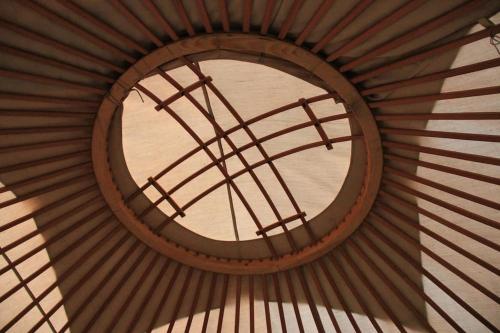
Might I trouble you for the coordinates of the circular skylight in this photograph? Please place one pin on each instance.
(305, 170)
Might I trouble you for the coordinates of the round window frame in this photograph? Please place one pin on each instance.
(244, 43)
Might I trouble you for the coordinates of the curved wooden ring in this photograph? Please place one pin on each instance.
(240, 43)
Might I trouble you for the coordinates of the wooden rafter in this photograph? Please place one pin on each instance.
(383, 247)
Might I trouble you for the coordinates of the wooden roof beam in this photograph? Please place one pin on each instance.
(442, 152)
(404, 276)
(130, 17)
(162, 21)
(266, 20)
(443, 168)
(340, 26)
(440, 134)
(61, 279)
(314, 21)
(203, 14)
(51, 81)
(387, 21)
(224, 15)
(80, 32)
(423, 29)
(290, 18)
(55, 63)
(70, 5)
(69, 50)
(438, 202)
(181, 11)
(407, 60)
(436, 97)
(247, 15)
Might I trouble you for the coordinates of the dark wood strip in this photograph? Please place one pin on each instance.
(279, 299)
(38, 59)
(386, 196)
(237, 306)
(290, 18)
(102, 26)
(164, 297)
(387, 21)
(160, 19)
(147, 297)
(251, 303)
(247, 15)
(131, 294)
(316, 123)
(427, 27)
(411, 241)
(80, 32)
(427, 54)
(116, 289)
(224, 15)
(203, 14)
(372, 289)
(324, 299)
(434, 77)
(340, 26)
(195, 300)
(439, 186)
(293, 297)
(310, 301)
(69, 50)
(180, 299)
(130, 17)
(265, 297)
(61, 278)
(416, 288)
(208, 307)
(439, 116)
(222, 306)
(407, 220)
(279, 223)
(442, 152)
(355, 291)
(459, 210)
(314, 21)
(50, 81)
(436, 97)
(390, 284)
(181, 11)
(418, 266)
(69, 102)
(266, 20)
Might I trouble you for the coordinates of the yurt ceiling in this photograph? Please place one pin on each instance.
(249, 165)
